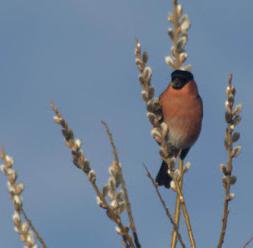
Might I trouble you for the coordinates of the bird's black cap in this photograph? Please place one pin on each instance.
(183, 75)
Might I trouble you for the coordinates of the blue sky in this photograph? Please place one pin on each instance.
(80, 53)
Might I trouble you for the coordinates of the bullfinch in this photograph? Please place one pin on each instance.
(182, 111)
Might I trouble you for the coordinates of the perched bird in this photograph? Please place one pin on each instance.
(182, 111)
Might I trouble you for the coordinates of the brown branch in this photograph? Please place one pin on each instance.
(123, 186)
(22, 225)
(232, 118)
(83, 164)
(185, 211)
(177, 208)
(36, 233)
(114, 149)
(248, 242)
(167, 211)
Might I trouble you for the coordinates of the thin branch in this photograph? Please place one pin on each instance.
(232, 117)
(248, 242)
(177, 208)
(167, 211)
(185, 212)
(83, 164)
(23, 226)
(123, 186)
(114, 149)
(36, 233)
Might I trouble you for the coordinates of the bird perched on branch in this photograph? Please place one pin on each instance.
(182, 111)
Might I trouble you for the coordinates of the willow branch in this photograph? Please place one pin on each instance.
(232, 117)
(33, 228)
(185, 212)
(83, 164)
(22, 225)
(123, 187)
(248, 242)
(177, 209)
(166, 209)
(160, 129)
(179, 37)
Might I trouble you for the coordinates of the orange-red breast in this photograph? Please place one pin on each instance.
(182, 111)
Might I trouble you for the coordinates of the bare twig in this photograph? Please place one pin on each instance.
(248, 242)
(123, 186)
(23, 226)
(233, 118)
(167, 211)
(83, 164)
(177, 208)
(185, 212)
(36, 233)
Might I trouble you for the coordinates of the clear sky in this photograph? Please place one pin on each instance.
(80, 53)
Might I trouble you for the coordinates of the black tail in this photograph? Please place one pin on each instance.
(163, 178)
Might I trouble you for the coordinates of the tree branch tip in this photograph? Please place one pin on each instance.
(138, 43)
(230, 78)
(136, 40)
(53, 106)
(2, 153)
(104, 123)
(145, 166)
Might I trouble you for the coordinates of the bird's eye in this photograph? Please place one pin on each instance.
(178, 83)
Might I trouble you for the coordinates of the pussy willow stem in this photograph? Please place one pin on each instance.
(36, 233)
(248, 242)
(188, 225)
(177, 207)
(123, 187)
(185, 213)
(176, 34)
